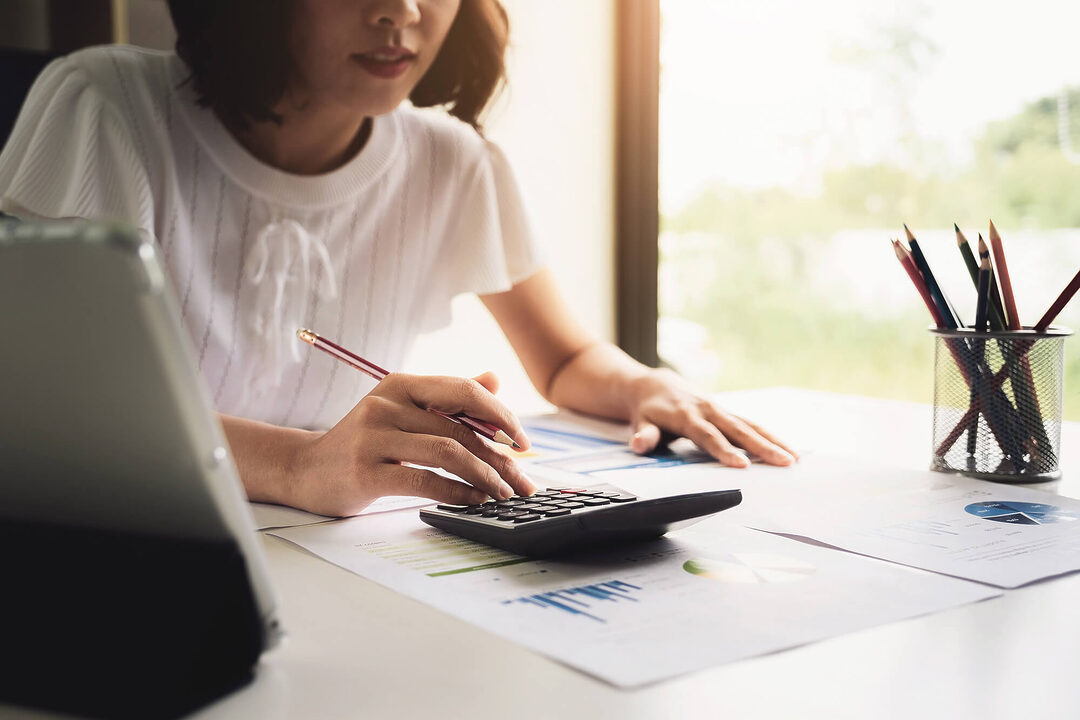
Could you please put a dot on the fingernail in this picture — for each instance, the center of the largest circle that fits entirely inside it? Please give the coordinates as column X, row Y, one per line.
column 783, row 457
column 505, row 490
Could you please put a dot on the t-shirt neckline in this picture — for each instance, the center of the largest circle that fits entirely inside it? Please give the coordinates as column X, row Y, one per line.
column 284, row 188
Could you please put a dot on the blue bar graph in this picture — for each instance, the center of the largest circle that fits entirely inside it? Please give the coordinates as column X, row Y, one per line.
column 577, row 600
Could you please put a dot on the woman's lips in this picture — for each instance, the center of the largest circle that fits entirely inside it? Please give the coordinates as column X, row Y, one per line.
column 385, row 62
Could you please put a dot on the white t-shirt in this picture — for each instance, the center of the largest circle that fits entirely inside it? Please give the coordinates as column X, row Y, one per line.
column 369, row 254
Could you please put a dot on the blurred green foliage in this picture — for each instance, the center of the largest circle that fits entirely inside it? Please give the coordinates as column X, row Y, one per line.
column 738, row 262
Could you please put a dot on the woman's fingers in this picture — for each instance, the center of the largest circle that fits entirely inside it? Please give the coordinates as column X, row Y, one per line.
column 646, row 437
column 687, row 421
column 489, row 380
column 710, row 439
column 433, row 440
column 457, row 396
column 749, row 437
column 403, row 480
column 771, row 438
column 716, row 432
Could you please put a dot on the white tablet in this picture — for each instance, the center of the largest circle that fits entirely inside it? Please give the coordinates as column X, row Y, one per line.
column 105, row 421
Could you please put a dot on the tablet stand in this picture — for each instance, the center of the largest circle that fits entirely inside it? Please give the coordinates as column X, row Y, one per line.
column 103, row 624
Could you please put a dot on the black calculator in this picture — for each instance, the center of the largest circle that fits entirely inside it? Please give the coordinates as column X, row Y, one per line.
column 560, row 520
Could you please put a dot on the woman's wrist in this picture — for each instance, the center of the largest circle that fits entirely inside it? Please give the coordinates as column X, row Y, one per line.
column 273, row 461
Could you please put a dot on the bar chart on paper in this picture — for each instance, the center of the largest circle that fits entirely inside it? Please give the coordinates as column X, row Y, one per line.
column 585, row 600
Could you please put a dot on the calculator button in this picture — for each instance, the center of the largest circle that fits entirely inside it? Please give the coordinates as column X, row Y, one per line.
column 593, row 502
column 530, row 506
column 544, row 507
column 508, row 503
column 546, row 493
column 605, row 494
column 453, row 508
column 556, row 512
column 511, row 514
column 573, row 505
column 520, row 498
column 490, row 504
column 490, row 512
column 622, row 498
column 572, row 491
column 528, row 517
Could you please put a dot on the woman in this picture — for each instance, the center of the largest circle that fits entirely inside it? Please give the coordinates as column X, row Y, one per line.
column 288, row 184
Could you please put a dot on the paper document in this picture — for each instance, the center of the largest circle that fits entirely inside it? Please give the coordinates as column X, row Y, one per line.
column 570, row 450
column 642, row 612
column 269, row 516
column 999, row 534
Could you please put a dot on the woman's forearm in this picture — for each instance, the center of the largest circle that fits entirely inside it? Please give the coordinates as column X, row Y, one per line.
column 267, row 457
column 598, row 380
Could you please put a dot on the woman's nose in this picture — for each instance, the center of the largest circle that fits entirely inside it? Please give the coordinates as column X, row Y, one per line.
column 395, row 13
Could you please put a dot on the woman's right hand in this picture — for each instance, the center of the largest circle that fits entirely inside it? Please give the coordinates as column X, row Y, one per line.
column 341, row 471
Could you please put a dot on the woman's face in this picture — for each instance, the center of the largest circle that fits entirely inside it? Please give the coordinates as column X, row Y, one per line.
column 364, row 55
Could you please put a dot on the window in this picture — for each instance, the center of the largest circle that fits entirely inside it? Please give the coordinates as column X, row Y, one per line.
column 797, row 138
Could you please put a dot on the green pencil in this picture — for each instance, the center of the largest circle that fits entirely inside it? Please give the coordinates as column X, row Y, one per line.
column 996, row 319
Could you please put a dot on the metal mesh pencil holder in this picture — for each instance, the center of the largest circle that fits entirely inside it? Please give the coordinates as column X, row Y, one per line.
column 998, row 400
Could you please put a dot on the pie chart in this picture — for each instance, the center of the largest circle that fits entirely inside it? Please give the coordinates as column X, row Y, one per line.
column 748, row 568
column 1020, row 513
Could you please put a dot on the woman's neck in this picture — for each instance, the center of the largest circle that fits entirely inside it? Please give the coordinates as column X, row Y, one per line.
column 310, row 140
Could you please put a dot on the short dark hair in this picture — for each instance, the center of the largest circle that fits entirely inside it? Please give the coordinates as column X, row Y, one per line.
column 237, row 52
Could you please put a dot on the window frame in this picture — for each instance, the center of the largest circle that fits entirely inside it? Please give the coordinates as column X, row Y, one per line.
column 637, row 203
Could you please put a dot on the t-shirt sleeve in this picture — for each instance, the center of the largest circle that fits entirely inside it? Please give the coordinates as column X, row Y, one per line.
column 71, row 154
column 492, row 247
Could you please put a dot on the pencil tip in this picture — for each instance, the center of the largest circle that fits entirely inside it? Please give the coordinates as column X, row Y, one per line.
column 956, row 227
column 910, row 237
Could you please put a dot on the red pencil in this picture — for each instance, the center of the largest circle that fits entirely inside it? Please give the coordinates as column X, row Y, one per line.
column 372, row 370
column 1059, row 304
column 904, row 256
column 1013, row 318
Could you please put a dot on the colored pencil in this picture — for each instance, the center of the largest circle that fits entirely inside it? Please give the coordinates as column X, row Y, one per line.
column 374, row 371
column 965, row 250
column 904, row 256
column 1058, row 305
column 997, row 321
column 1012, row 318
column 979, row 348
column 947, row 313
column 1022, row 378
column 996, row 309
column 983, row 297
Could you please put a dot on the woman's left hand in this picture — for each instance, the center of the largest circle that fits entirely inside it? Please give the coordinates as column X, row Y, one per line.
column 662, row 404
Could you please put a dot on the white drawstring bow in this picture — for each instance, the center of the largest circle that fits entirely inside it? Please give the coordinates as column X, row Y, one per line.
column 282, row 254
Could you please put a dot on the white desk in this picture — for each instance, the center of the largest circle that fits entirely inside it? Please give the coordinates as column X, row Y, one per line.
column 357, row 649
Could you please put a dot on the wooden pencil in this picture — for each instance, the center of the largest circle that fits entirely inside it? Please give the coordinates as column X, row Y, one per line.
column 904, row 256
column 947, row 313
column 1012, row 318
column 997, row 321
column 983, row 301
column 480, row 427
column 1058, row 305
column 996, row 309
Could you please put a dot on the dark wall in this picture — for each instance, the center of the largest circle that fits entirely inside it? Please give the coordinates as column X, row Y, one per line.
column 60, row 26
